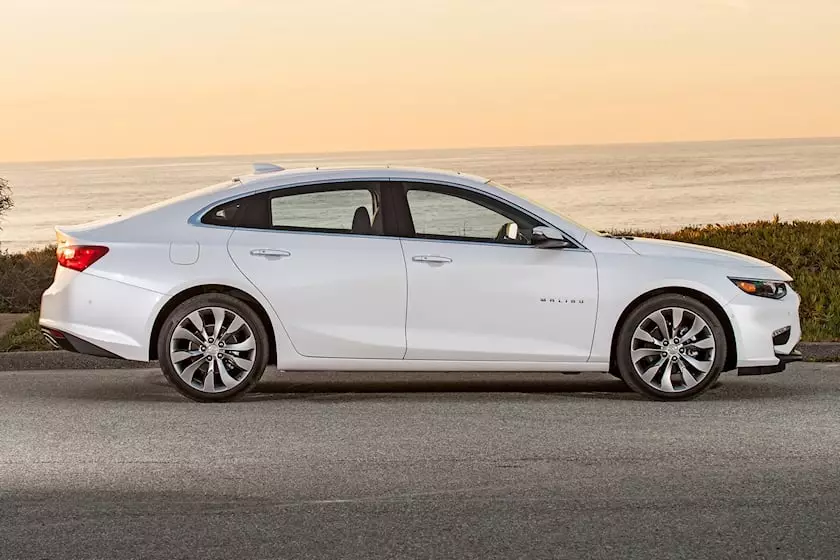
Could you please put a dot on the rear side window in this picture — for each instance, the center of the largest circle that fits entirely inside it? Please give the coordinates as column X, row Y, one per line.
column 352, row 208
column 243, row 212
column 330, row 210
column 224, row 215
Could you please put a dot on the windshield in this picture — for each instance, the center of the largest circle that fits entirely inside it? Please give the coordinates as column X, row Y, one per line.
column 543, row 207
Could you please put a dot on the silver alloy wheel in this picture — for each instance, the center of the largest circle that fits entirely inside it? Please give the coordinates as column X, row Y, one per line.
column 673, row 349
column 213, row 349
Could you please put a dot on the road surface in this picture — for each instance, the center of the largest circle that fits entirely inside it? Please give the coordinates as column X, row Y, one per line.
column 115, row 464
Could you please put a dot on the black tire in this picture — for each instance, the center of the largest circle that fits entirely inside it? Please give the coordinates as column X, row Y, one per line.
column 252, row 320
column 637, row 316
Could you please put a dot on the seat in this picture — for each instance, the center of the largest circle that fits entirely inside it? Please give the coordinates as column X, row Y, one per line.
column 361, row 222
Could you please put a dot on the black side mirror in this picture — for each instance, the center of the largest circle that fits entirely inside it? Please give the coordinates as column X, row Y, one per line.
column 549, row 238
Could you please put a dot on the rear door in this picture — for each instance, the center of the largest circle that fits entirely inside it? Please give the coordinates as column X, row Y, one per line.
column 320, row 255
column 475, row 295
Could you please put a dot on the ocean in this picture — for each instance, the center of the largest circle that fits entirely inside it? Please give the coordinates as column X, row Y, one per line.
column 630, row 186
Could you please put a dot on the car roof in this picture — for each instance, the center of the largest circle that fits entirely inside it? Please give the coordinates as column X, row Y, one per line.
column 318, row 174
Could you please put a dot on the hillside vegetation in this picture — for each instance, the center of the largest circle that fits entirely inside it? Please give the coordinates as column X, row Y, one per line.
column 809, row 251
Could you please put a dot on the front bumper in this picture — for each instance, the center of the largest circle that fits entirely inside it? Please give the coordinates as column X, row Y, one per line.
column 784, row 360
column 766, row 332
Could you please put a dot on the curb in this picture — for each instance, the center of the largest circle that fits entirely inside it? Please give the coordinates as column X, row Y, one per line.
column 820, row 351
column 59, row 359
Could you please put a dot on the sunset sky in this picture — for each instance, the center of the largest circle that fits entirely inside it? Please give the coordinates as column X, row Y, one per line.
column 120, row 78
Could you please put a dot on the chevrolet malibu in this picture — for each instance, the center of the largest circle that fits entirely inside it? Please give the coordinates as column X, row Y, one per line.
column 405, row 270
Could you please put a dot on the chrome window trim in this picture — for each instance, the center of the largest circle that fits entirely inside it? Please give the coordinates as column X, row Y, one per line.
column 195, row 219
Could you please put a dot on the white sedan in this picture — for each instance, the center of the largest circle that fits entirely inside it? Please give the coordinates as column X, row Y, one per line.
column 405, row 270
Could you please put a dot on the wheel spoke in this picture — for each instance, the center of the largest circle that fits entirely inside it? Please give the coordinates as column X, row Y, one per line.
column 198, row 323
column 677, row 318
column 697, row 326
column 183, row 334
column 640, row 353
column 645, row 336
column 688, row 379
column 665, row 384
column 704, row 367
column 227, row 380
column 705, row 343
column 658, row 318
column 248, row 344
column 234, row 326
column 241, row 362
column 210, row 378
column 181, row 355
column 651, row 372
column 218, row 319
column 188, row 372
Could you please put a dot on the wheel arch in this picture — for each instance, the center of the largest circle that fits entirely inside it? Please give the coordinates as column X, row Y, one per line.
column 188, row 293
column 710, row 302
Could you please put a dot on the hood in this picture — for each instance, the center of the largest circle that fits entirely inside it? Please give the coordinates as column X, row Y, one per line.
column 717, row 257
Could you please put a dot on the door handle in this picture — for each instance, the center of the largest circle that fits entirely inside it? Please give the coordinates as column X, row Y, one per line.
column 432, row 259
column 271, row 253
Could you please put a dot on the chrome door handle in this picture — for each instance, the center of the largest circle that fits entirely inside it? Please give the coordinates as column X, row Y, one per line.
column 433, row 259
column 269, row 253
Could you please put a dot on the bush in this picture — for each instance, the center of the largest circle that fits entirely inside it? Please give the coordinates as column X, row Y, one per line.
column 25, row 335
column 5, row 196
column 808, row 251
column 23, row 278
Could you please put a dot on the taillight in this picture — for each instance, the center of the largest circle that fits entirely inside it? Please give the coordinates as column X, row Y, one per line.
column 79, row 257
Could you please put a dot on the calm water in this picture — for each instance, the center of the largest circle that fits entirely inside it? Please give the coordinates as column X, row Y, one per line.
column 650, row 186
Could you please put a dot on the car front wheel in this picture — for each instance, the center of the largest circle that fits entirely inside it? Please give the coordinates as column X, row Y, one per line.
column 213, row 347
column 672, row 347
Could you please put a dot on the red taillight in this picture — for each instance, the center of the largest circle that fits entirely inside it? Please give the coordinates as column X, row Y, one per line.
column 79, row 257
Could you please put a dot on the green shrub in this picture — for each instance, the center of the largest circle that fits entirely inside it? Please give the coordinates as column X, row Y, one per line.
column 5, row 196
column 808, row 251
column 23, row 278
column 25, row 335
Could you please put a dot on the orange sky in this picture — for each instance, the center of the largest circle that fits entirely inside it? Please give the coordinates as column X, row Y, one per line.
column 122, row 78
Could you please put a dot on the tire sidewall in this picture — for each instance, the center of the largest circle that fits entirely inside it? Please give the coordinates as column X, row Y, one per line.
column 624, row 360
column 225, row 302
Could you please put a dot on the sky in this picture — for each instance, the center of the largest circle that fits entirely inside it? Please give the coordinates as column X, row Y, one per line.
column 117, row 78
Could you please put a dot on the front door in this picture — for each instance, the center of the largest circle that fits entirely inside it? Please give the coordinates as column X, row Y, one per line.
column 474, row 294
column 336, row 282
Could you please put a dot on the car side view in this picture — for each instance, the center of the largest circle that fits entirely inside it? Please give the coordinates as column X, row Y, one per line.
column 389, row 269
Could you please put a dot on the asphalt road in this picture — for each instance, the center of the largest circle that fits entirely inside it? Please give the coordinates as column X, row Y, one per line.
column 114, row 464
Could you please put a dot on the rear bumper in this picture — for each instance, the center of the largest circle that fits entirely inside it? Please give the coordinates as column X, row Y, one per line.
column 66, row 341
column 784, row 360
column 92, row 315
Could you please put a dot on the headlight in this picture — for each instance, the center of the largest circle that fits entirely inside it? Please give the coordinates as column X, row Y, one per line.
column 773, row 289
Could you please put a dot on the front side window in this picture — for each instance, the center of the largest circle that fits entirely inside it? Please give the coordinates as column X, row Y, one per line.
column 443, row 215
column 344, row 209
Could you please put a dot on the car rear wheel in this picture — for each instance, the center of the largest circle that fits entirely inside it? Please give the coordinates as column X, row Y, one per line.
column 213, row 347
column 671, row 347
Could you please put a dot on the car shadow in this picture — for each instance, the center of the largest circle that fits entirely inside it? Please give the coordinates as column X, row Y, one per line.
column 151, row 386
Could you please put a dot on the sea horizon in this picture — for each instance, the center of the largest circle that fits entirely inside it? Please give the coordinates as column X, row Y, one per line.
column 651, row 186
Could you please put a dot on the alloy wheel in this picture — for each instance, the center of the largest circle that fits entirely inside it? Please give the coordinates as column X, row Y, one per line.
column 672, row 349
column 213, row 349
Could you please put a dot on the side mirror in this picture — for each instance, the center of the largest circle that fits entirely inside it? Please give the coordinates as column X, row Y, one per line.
column 549, row 238
column 511, row 231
